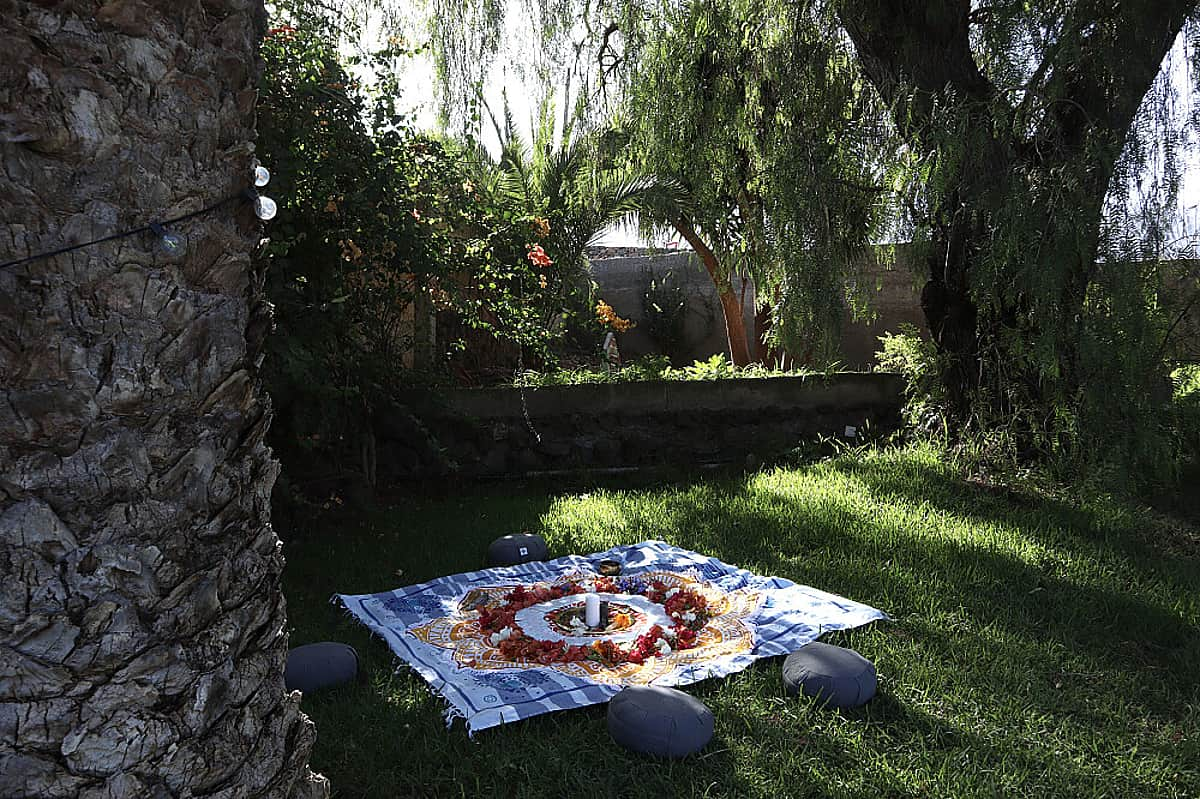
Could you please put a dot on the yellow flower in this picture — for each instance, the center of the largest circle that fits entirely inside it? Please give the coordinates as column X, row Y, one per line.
column 607, row 317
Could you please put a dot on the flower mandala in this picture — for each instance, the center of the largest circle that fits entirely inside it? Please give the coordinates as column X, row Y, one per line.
column 658, row 622
column 505, row 644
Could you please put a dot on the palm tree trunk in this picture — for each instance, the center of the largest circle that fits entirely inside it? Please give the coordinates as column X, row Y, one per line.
column 142, row 628
column 731, row 305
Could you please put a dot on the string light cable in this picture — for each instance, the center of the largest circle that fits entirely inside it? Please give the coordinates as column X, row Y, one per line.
column 169, row 242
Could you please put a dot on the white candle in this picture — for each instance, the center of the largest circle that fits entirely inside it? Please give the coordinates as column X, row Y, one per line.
column 591, row 610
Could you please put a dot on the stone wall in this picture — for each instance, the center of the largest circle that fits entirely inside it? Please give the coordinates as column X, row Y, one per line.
column 485, row 432
column 891, row 289
column 622, row 283
column 893, row 294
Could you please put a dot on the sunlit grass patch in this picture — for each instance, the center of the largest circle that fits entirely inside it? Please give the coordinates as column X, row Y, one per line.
column 1040, row 645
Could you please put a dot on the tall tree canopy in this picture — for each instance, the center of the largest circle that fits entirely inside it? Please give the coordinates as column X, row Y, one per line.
column 1008, row 140
column 1025, row 119
column 759, row 112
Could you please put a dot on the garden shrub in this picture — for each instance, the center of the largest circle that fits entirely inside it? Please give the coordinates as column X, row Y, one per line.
column 658, row 367
column 1186, row 411
column 664, row 309
column 379, row 228
column 1154, row 433
column 914, row 356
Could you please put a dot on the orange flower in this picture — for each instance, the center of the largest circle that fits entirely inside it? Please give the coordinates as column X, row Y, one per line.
column 537, row 256
column 607, row 317
column 541, row 227
column 350, row 250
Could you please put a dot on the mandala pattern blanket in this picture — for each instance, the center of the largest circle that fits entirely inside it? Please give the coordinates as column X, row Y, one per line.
column 508, row 643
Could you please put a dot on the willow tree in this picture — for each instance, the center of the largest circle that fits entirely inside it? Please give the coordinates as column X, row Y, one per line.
column 752, row 110
column 759, row 112
column 1027, row 126
column 142, row 628
column 730, row 103
column 1024, row 132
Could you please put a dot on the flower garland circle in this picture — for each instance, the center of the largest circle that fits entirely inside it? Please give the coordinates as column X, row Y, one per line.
column 687, row 609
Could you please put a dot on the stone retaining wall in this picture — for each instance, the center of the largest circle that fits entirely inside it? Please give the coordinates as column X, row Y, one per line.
column 484, row 432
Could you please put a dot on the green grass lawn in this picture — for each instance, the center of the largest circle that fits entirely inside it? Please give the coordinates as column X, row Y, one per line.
column 1039, row 646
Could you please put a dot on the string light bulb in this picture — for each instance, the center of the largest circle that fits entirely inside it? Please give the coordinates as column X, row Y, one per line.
column 265, row 208
column 169, row 243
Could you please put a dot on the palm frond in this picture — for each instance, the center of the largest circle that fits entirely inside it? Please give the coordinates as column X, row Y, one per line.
column 557, row 175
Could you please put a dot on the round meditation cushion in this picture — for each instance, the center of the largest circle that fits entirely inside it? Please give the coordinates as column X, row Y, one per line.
column 322, row 665
column 659, row 721
column 510, row 550
column 838, row 677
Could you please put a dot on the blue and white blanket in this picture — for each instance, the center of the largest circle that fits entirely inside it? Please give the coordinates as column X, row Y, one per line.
column 778, row 617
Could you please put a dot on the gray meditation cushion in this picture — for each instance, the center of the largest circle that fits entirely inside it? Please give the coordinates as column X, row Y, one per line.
column 322, row 665
column 839, row 677
column 510, row 550
column 659, row 721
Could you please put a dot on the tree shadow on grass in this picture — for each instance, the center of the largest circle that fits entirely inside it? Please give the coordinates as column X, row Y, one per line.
column 388, row 739
column 1097, row 527
column 836, row 548
column 412, row 542
column 976, row 626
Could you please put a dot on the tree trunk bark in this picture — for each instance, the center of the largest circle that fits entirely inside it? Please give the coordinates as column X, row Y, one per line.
column 142, row 627
column 731, row 306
